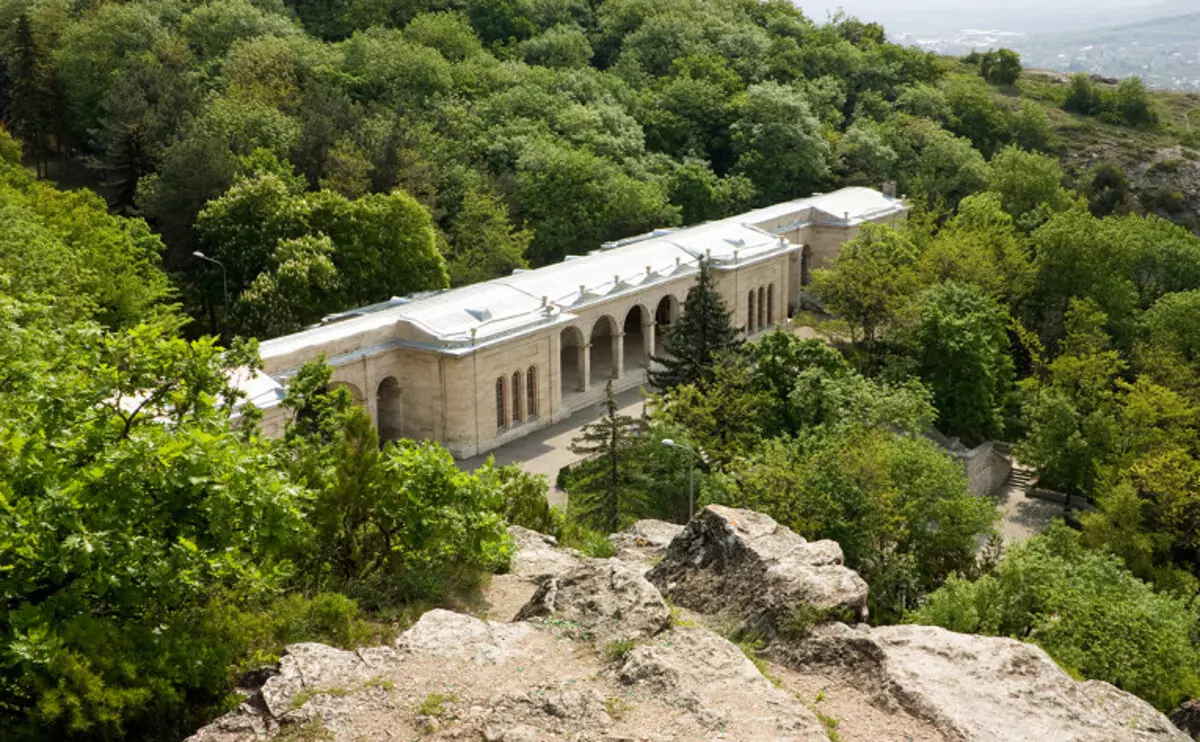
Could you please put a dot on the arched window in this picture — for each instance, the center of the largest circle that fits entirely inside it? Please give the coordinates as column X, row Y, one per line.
column 517, row 412
column 770, row 304
column 531, row 392
column 750, row 315
column 762, row 309
column 500, row 406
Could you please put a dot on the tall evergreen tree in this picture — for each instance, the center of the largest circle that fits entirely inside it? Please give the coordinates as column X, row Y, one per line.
column 702, row 334
column 31, row 104
column 608, row 481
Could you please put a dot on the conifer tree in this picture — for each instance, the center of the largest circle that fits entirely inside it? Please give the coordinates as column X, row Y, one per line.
column 703, row 333
column 608, row 484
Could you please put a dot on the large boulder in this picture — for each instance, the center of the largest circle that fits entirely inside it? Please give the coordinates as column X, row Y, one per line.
column 644, row 543
column 710, row 681
column 743, row 564
column 975, row 688
column 605, row 597
column 538, row 555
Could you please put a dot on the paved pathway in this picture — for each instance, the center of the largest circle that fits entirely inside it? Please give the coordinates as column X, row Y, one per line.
column 549, row 449
column 1021, row 516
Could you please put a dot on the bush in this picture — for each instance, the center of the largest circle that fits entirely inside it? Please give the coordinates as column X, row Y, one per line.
column 1086, row 610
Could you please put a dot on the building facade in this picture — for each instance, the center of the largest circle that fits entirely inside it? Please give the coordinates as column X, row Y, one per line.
column 480, row 366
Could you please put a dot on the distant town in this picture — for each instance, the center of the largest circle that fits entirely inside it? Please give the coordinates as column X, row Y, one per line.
column 1163, row 52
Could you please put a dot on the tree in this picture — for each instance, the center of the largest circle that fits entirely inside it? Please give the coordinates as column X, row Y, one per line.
column 606, row 488
column 134, row 509
column 696, row 341
column 1134, row 105
column 33, row 94
column 1070, row 415
column 483, row 243
column 870, row 279
column 1029, row 185
column 960, row 322
column 778, row 143
column 1001, row 67
column 981, row 246
column 898, row 506
column 1168, row 348
column 1082, row 96
column 300, row 286
column 1086, row 610
column 564, row 46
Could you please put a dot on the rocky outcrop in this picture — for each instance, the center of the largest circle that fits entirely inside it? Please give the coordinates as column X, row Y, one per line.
column 604, row 596
column 644, row 543
column 559, row 675
column 743, row 564
column 982, row 689
column 538, row 556
column 1187, row 717
column 712, row 680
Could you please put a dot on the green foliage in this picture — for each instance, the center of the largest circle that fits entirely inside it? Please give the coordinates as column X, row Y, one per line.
column 483, row 243
column 1001, row 67
column 65, row 245
column 961, row 322
column 291, row 257
column 1090, row 614
column 778, row 144
column 869, row 281
column 694, row 343
column 604, row 490
column 897, row 506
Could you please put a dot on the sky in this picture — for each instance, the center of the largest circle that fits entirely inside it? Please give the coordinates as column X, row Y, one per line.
column 1025, row 16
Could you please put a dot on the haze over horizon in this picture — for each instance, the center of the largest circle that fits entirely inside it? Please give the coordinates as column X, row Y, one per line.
column 1019, row 16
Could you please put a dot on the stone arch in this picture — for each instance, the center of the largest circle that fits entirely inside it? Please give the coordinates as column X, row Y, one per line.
column 603, row 350
column 762, row 308
column 770, row 303
column 751, row 313
column 360, row 399
column 666, row 313
column 389, row 403
column 637, row 352
column 572, row 360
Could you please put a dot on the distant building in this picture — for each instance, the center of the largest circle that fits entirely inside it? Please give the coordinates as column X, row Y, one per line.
column 480, row 366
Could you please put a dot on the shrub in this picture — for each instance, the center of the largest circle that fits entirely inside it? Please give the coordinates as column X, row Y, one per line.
column 1086, row 610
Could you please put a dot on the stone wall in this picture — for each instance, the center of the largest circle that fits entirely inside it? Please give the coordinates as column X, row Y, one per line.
column 986, row 468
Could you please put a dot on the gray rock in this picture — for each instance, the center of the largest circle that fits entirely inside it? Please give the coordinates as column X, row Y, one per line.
column 976, row 688
column 441, row 633
column 744, row 564
column 644, row 543
column 1187, row 717
column 604, row 596
column 697, row 670
column 538, row 556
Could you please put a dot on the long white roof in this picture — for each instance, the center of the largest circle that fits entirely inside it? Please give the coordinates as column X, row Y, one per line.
column 459, row 320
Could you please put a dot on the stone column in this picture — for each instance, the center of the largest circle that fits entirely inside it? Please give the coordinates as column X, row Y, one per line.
column 554, row 378
column 585, row 367
column 618, row 355
column 648, row 335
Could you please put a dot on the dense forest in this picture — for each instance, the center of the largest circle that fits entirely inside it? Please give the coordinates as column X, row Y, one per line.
column 154, row 545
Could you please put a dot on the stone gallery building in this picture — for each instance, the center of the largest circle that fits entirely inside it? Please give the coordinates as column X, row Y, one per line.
column 480, row 366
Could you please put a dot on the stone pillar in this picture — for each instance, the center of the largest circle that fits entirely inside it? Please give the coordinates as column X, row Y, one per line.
column 554, row 378
column 618, row 355
column 585, row 368
column 648, row 335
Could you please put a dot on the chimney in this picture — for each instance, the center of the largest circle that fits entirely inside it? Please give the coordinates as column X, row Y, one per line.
column 889, row 188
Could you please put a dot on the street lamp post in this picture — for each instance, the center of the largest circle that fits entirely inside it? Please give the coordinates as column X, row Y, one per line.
column 224, row 275
column 691, row 474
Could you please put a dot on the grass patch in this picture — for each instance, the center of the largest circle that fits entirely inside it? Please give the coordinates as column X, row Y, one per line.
column 830, row 723
column 805, row 617
column 307, row 694
column 750, row 647
column 675, row 614
column 617, row 707
column 310, row 731
column 434, row 704
column 618, row 650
